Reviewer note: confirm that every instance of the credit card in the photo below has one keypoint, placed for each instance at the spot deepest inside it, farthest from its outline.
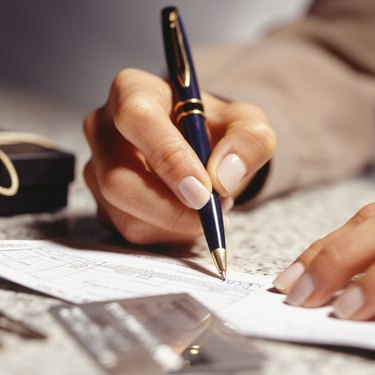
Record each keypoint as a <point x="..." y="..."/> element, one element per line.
<point x="164" y="334"/>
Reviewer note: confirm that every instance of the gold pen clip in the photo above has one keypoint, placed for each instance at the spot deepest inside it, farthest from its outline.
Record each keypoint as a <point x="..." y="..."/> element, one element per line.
<point x="183" y="69"/>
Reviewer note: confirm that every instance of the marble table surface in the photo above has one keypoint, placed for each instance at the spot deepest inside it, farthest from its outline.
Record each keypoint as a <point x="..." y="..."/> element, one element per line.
<point x="262" y="241"/>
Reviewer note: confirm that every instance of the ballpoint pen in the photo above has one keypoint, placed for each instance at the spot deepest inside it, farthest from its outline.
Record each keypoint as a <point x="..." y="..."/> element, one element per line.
<point x="190" y="118"/>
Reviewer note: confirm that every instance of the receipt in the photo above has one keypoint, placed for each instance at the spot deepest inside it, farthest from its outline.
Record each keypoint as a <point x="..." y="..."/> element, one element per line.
<point x="246" y="302"/>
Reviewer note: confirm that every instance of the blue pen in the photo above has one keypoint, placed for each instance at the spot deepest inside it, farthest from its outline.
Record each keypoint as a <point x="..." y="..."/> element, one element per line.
<point x="190" y="119"/>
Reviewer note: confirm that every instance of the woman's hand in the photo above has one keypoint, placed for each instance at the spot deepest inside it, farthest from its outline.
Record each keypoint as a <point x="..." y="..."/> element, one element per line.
<point x="145" y="177"/>
<point x="329" y="264"/>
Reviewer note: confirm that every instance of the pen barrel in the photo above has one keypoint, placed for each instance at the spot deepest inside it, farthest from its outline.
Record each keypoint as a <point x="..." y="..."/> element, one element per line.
<point x="179" y="60"/>
<point x="194" y="130"/>
<point x="189" y="116"/>
<point x="212" y="223"/>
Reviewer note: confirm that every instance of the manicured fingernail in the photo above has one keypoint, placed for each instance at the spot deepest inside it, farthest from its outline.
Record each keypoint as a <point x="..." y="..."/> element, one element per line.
<point x="194" y="192"/>
<point x="349" y="302"/>
<point x="231" y="171"/>
<point x="302" y="290"/>
<point x="287" y="278"/>
<point x="227" y="204"/>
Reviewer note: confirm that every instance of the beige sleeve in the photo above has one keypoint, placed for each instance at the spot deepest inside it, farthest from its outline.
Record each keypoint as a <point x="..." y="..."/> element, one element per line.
<point x="315" y="79"/>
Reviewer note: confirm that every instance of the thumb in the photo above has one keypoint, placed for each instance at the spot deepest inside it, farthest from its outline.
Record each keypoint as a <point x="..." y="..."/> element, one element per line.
<point x="140" y="104"/>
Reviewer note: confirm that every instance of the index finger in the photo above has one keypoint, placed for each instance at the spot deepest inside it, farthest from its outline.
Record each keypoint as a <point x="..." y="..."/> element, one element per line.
<point x="140" y="104"/>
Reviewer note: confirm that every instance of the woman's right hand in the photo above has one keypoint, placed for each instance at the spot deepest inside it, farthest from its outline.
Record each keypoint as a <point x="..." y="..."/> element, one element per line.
<point x="145" y="177"/>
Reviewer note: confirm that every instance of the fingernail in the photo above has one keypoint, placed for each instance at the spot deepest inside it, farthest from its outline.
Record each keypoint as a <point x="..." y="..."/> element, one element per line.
<point x="287" y="278"/>
<point x="349" y="302"/>
<point x="302" y="290"/>
<point x="231" y="171"/>
<point x="193" y="192"/>
<point x="227" y="204"/>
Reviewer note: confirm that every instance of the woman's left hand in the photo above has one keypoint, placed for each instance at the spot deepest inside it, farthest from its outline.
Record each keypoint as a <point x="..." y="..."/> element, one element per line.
<point x="328" y="266"/>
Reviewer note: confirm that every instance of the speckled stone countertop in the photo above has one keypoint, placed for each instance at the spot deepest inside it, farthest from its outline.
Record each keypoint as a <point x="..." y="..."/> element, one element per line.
<point x="263" y="241"/>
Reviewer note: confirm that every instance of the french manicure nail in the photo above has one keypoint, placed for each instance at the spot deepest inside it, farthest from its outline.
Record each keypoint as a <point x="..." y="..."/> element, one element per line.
<point x="231" y="171"/>
<point x="287" y="278"/>
<point x="349" y="302"/>
<point x="194" y="192"/>
<point x="301" y="290"/>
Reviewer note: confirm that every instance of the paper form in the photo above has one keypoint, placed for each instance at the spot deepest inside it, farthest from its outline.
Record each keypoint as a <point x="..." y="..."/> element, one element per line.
<point x="79" y="275"/>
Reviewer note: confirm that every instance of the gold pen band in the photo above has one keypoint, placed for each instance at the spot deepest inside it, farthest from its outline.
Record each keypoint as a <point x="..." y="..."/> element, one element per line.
<point x="188" y="107"/>
<point x="187" y="102"/>
<point x="182" y="115"/>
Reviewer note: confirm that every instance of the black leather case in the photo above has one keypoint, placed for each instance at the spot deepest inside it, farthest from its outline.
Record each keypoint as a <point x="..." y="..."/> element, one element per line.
<point x="44" y="175"/>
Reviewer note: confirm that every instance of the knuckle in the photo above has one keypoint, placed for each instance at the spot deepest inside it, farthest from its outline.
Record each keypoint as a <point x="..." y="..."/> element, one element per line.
<point x="121" y="78"/>
<point x="261" y="134"/>
<point x="109" y="183"/>
<point x="331" y="257"/>
<point x="132" y="109"/>
<point x="318" y="244"/>
<point x="366" y="212"/>
<point x="88" y="124"/>
<point x="265" y="136"/>
<point x="307" y="256"/>
<point x="133" y="230"/>
<point x="169" y="159"/>
<point x="255" y="125"/>
<point x="258" y="113"/>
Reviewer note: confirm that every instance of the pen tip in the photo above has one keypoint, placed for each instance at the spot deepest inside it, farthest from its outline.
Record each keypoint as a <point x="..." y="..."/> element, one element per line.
<point x="223" y="275"/>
